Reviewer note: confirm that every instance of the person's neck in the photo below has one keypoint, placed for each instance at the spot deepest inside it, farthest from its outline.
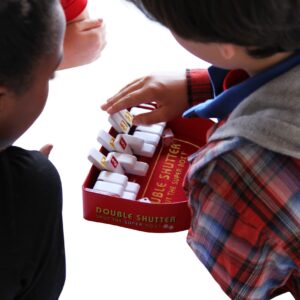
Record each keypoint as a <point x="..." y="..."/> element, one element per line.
<point x="256" y="66"/>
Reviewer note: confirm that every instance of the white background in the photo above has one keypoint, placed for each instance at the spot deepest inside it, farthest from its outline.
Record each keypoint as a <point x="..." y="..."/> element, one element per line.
<point x="105" y="261"/>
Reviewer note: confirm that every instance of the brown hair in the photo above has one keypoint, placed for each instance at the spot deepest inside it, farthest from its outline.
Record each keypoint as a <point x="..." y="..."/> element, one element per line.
<point x="264" y="26"/>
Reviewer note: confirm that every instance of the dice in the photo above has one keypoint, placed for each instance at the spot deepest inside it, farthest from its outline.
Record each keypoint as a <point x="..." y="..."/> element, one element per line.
<point x="122" y="149"/>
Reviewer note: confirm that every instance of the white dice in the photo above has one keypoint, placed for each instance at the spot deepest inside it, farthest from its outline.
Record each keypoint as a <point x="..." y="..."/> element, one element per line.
<point x="102" y="162"/>
<point x="109" y="187"/>
<point x="121" y="121"/>
<point x="154" y="128"/>
<point x="117" y="185"/>
<point x="113" y="177"/>
<point x="149" y="138"/>
<point x="106" y="140"/>
<point x="122" y="148"/>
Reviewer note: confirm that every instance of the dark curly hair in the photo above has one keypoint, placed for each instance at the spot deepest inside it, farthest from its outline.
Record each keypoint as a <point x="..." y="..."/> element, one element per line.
<point x="26" y="31"/>
<point x="265" y="27"/>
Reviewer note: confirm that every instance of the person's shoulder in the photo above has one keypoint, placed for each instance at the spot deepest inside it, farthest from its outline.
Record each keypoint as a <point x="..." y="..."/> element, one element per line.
<point x="250" y="167"/>
<point x="238" y="159"/>
<point x="30" y="165"/>
<point x="27" y="177"/>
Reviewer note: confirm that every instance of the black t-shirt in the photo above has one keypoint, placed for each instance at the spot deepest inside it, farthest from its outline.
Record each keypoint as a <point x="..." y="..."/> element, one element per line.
<point x="32" y="261"/>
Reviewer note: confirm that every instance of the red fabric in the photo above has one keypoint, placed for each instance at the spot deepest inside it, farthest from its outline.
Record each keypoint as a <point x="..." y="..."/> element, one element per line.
<point x="199" y="86"/>
<point x="73" y="8"/>
<point x="234" y="77"/>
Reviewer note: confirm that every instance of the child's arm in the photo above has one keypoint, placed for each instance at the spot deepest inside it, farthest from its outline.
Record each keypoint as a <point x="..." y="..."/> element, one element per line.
<point x="84" y="38"/>
<point x="199" y="86"/>
<point x="173" y="94"/>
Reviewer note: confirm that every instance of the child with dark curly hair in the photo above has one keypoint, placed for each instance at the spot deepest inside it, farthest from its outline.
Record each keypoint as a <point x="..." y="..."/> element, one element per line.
<point x="32" y="258"/>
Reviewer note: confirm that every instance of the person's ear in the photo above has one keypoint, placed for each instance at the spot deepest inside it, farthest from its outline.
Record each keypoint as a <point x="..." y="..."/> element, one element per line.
<point x="227" y="51"/>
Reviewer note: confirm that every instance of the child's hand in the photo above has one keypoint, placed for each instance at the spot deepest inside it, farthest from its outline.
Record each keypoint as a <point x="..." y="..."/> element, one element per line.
<point x="46" y="149"/>
<point x="84" y="41"/>
<point x="168" y="91"/>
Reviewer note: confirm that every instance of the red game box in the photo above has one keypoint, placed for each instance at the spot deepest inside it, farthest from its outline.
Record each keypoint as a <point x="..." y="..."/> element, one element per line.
<point x="168" y="210"/>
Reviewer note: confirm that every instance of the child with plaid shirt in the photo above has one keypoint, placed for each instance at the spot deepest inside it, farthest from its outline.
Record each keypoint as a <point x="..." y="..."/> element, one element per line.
<point x="244" y="184"/>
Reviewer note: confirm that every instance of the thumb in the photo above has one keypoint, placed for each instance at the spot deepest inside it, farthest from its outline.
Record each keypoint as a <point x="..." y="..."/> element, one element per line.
<point x="154" y="116"/>
<point x="46" y="149"/>
<point x="91" y="24"/>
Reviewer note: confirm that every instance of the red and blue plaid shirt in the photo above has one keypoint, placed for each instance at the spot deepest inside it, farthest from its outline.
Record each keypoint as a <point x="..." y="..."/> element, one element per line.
<point x="245" y="203"/>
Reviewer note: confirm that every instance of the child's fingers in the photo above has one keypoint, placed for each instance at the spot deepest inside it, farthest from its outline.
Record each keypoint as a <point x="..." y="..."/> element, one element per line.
<point x="91" y="24"/>
<point x="122" y="94"/>
<point x="127" y="101"/>
<point x="129" y="88"/>
<point x="135" y="84"/>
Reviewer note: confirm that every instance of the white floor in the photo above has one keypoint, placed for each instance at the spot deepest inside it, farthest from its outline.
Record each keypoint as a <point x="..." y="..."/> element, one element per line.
<point x="103" y="261"/>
